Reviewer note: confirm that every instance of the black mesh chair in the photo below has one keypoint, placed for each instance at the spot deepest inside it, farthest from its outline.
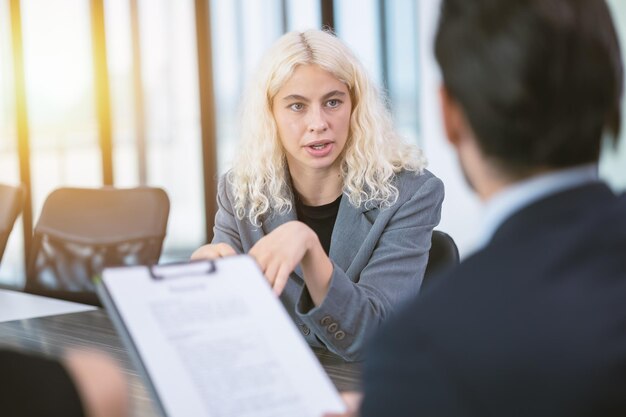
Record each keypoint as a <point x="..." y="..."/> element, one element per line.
<point x="443" y="255"/>
<point x="11" y="204"/>
<point x="81" y="231"/>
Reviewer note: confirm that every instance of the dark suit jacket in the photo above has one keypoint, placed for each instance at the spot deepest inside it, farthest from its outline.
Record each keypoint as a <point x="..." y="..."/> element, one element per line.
<point x="532" y="325"/>
<point x="32" y="386"/>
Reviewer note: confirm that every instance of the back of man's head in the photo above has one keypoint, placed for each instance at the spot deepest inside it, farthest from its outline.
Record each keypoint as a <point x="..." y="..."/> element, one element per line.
<point x="539" y="81"/>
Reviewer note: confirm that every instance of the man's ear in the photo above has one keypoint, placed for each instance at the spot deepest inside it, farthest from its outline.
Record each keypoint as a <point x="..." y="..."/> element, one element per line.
<point x="452" y="115"/>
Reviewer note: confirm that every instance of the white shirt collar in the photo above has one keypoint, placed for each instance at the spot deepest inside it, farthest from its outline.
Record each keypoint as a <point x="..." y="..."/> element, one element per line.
<point x="520" y="194"/>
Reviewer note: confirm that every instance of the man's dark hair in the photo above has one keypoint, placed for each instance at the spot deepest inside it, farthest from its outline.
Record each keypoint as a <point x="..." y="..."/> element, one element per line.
<point x="539" y="81"/>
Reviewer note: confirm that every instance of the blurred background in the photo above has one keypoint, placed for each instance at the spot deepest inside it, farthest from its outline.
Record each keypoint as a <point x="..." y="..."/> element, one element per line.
<point x="146" y="92"/>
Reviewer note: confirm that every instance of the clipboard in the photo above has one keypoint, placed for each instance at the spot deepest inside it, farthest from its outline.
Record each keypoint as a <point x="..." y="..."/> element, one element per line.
<point x="212" y="340"/>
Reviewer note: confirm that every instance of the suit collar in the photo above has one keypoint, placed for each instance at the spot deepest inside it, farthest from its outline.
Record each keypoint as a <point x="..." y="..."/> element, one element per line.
<point x="523" y="193"/>
<point x="571" y="203"/>
<point x="352" y="226"/>
<point x="276" y="219"/>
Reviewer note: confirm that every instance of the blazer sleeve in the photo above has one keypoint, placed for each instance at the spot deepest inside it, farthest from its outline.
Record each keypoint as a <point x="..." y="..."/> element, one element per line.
<point x="352" y="311"/>
<point x="225" y="228"/>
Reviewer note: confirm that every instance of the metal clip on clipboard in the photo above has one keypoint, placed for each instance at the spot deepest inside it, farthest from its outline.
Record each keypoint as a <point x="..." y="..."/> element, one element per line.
<point x="182" y="269"/>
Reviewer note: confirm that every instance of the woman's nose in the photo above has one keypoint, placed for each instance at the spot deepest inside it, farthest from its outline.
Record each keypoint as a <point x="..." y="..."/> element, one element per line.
<point x="317" y="122"/>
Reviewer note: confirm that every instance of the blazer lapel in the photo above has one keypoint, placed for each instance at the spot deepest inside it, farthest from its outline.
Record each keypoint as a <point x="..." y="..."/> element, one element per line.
<point x="275" y="220"/>
<point x="351" y="229"/>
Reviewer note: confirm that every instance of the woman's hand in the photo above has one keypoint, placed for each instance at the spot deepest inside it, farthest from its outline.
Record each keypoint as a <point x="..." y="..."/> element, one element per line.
<point x="281" y="251"/>
<point x="213" y="251"/>
<point x="284" y="248"/>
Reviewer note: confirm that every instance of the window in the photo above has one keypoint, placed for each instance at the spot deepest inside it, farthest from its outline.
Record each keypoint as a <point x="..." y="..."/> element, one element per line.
<point x="151" y="54"/>
<point x="385" y="39"/>
<point x="59" y="93"/>
<point x="241" y="30"/>
<point x="12" y="266"/>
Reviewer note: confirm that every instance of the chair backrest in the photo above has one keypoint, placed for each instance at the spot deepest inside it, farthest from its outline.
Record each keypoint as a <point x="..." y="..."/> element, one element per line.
<point x="443" y="255"/>
<point x="82" y="230"/>
<point x="11" y="204"/>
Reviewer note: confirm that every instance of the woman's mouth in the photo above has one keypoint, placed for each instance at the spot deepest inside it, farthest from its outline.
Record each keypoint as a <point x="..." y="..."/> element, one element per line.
<point x="319" y="149"/>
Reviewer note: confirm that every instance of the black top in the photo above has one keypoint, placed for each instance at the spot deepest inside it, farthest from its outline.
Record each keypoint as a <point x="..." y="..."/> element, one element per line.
<point x="36" y="386"/>
<point x="319" y="218"/>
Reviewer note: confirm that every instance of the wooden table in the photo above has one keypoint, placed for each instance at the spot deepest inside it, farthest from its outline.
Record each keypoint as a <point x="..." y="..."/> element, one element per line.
<point x="53" y="335"/>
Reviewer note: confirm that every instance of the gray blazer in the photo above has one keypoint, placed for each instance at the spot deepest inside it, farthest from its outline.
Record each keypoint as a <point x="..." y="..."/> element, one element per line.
<point x="379" y="258"/>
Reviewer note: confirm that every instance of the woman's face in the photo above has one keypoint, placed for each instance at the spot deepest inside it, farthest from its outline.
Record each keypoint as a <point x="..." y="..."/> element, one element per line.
<point x="312" y="112"/>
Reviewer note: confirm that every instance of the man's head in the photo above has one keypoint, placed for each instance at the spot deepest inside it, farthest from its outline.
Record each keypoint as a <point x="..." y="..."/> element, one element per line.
<point x="536" y="82"/>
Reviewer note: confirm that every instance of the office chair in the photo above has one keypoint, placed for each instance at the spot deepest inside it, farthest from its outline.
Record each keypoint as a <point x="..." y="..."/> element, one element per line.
<point x="11" y="204"/>
<point x="81" y="231"/>
<point x="443" y="255"/>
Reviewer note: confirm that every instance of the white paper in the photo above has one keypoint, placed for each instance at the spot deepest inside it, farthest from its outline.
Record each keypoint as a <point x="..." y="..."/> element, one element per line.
<point x="220" y="344"/>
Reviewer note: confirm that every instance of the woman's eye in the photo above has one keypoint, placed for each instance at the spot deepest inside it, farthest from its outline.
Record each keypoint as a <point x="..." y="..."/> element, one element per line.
<point x="296" y="106"/>
<point x="333" y="103"/>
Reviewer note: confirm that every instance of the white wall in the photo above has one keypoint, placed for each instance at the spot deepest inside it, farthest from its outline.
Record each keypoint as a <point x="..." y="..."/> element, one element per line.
<point x="613" y="161"/>
<point x="461" y="209"/>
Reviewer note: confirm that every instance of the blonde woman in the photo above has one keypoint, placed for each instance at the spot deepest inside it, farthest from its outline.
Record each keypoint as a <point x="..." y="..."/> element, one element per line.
<point x="336" y="209"/>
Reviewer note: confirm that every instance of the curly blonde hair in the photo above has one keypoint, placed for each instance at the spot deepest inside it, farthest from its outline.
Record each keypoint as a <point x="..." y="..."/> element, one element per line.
<point x="374" y="152"/>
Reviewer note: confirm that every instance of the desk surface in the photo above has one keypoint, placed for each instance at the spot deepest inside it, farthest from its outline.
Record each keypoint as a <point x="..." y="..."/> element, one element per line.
<point x="52" y="335"/>
<point x="16" y="305"/>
